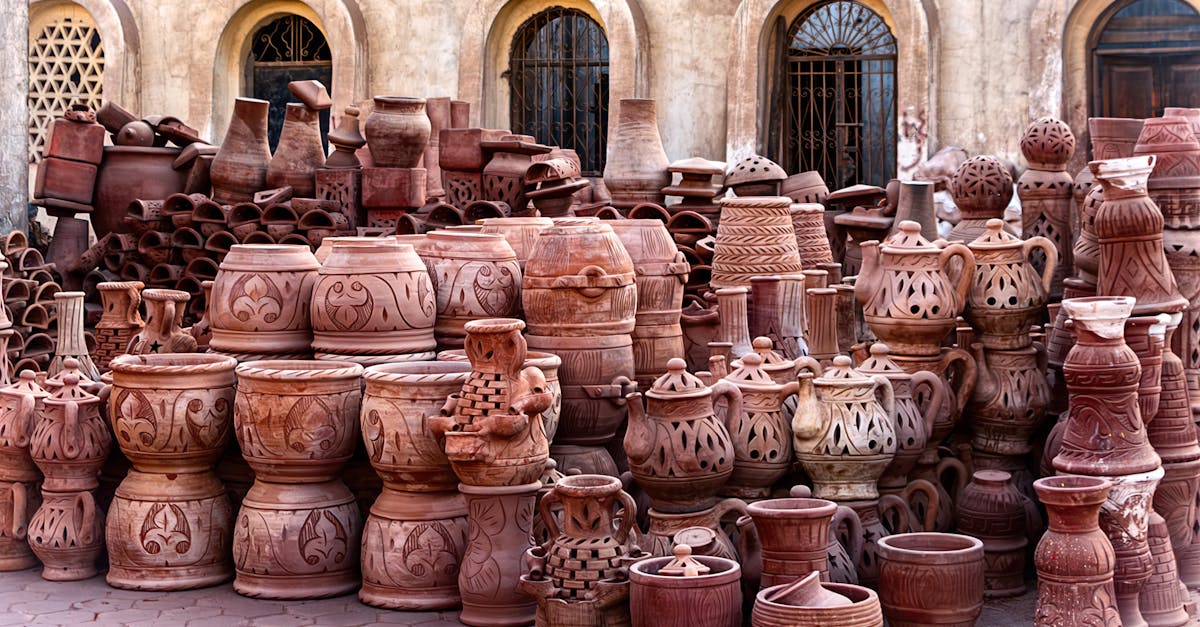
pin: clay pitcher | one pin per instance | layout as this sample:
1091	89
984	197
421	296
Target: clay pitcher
792	536
70	440
914	420
1007	295
761	432
163	332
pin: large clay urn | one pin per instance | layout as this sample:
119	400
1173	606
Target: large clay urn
761	432
1074	558
261	299
982	188
844	431
914	419
685	591
299	152
476	276
373	302
909	293
679	452
636	170
791	536
397	131
754	238
579	282
931	579
810	602
239	169
1007	295
990	508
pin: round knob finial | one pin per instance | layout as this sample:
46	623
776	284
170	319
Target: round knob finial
763	343
879	349
842	361
753	360
676	365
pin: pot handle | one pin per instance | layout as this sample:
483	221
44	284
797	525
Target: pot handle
168	319
930	492
967	381
855	531
548	517
937	396
628	516
733	400
85	516
25	420
1051	251
960	471
20	505
966	273
70	430
888	398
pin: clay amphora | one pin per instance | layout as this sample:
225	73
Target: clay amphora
844	431
914	421
476	276
373	303
931	579
792	538
493	433
239	169
637	170
163	332
397	131
679	452
299	152
799	604
1129	228
990	508
761	432
297	421
700	591
1008	405
500	523
119	321
67	535
909	296
982	189
261	299
1074	558
1007	296
1046	191
412	548
70	440
750	226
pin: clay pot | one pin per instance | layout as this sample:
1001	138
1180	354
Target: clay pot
991	509
844	431
520	233
761	432
679	452
749	228
596	374
67	535
299	152
637	170
397	131
792	537
931	579
1113	138
70	440
239	169
412	548
129	173
261	299
709	599
579	282
808	221
1007	296
297	421
1008	403
801	605
120	320
476	276
163	332
1074	558
373	303
914	421
499	523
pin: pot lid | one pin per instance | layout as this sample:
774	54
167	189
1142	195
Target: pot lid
70	391
771	358
750	373
754	169
860	193
677	383
684	565
841	373
996	237
880	362
808	592
907	238
697	165
26	386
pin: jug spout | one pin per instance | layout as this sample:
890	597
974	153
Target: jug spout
637	435
806	423
867	282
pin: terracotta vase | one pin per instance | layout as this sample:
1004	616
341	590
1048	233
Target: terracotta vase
71	342
499	524
914	421
1129	228
910	297
1145	335
755	238
982	189
239	169
1074	558
792	538
809	602
734	330
1007	295
493	434
1162	600
412	549
299	152
119	322
844	431
261	299
397	131
707	595
1008	403
373	303
679	452
991	509
808	221
476	276
1173	436
1176	176
163	333
761	432
931	579
1046	193
636	179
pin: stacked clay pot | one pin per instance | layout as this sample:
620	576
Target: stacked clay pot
260	302
297	533
1046	191
20	480
476	276
170	523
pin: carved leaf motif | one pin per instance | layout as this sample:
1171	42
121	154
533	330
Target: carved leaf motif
136	422
309	426
166	526
322	537
349	306
495	289
428	554
255	296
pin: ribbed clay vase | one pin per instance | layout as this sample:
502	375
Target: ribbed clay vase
991	509
931	579
754	238
637	170
299	152
397	131
239	169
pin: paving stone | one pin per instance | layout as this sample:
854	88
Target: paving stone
324	606
181	615
349	617
69	617
104	604
9	597
282	620
130	615
234	604
47	606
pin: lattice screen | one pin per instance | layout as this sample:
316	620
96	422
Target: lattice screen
66	65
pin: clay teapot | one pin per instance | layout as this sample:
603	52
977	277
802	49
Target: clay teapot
844	431
908	290
761	432
679	452
1007	295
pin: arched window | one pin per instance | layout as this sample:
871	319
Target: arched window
558	79
66	66
1145	56
287	49
835	95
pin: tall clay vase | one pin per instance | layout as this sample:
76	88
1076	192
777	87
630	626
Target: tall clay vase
792	537
499	527
397	131
636	170
1074	558
260	301
711	595
931	579
20	493
239	169
71	343
990	508
171	522
754	238
1162	599
299	152
119	320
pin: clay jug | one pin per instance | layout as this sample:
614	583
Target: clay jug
679	452
931	579
239	169
761	432
1008	404
1074	558
702	529
749	227
792	538
990	508
20	405
809	602
685	591
70	440
636	172
119	321
261	299
910	298
397	131
1007	295
476	276
914	421
982	189
163	332
844	431
299	152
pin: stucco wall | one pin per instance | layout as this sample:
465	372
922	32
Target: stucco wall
14	84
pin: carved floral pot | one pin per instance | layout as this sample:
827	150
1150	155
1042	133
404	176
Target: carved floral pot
397	131
476	276
412	548
931	579
260	301
499	524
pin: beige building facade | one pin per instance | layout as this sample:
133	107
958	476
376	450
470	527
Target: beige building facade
967	73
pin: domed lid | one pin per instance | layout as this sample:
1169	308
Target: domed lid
1048	144
807	592
996	237
880	362
842	373
677	383
907	239
983	184
26	385
750	374
754	169
697	165
684	565
771	359
70	391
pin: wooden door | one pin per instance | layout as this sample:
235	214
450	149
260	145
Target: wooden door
1142	85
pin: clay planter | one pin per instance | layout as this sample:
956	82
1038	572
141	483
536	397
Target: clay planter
679	452
1074	558
299	152
373	303
1007	295
579	282
914	420
709	599
476	276
844	431
70	440
163	332
991	509
397	131
982	189
239	169
67	535
520	233
931	579
786	605
119	322
754	238
793	536
412	548
396	406
761	432
909	296
637	172
499	523
261	299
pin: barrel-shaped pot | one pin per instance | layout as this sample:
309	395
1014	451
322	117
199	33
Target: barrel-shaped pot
709	600
931	579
